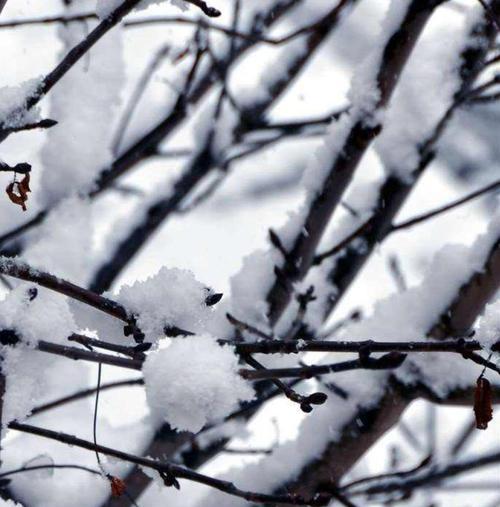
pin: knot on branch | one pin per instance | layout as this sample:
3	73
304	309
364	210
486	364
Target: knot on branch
387	361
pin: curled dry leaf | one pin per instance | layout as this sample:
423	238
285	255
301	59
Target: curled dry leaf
483	407
17	191
24	184
117	486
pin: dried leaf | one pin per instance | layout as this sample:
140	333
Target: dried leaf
483	408
117	486
15	198
24	184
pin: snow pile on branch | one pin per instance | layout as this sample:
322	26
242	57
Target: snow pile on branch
9	503
364	97
488	331
411	315
34	314
13	100
414	112
194	381
84	103
170	298
105	7
249	287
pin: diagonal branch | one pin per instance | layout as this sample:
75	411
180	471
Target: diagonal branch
362	127
206	160
23	271
395	191
80	50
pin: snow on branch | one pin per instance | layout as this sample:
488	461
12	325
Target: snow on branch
464	59
348	139
332	441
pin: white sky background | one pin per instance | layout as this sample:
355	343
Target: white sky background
212	240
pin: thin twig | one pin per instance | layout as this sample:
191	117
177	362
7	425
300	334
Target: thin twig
84	394
389	361
174	470
447	207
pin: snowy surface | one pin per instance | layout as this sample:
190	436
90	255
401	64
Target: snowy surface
105	7
9	503
13	101
46	317
194	381
488	331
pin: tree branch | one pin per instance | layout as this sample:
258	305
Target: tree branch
171	469
51	79
362	130
394	192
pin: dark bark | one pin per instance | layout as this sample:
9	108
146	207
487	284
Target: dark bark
363	131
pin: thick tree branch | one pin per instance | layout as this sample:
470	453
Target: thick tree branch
394	192
364	128
23	271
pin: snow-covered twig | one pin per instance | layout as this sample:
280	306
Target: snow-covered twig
74	55
23	271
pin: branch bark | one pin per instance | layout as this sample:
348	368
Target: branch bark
395	191
363	130
460	314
